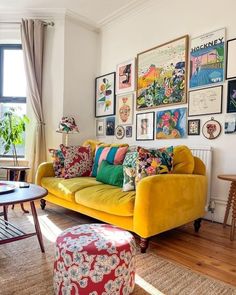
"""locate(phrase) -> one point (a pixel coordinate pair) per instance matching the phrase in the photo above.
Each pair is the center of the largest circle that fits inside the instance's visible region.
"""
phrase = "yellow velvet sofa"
(160, 202)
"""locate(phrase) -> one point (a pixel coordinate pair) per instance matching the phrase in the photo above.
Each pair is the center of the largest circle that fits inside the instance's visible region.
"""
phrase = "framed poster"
(211, 129)
(205, 101)
(231, 97)
(194, 127)
(110, 126)
(128, 131)
(125, 76)
(171, 124)
(145, 126)
(162, 74)
(207, 59)
(230, 124)
(100, 127)
(105, 95)
(125, 109)
(231, 59)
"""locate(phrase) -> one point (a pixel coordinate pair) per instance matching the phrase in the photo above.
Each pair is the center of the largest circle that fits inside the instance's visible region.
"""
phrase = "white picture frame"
(145, 126)
(125, 76)
(100, 127)
(231, 59)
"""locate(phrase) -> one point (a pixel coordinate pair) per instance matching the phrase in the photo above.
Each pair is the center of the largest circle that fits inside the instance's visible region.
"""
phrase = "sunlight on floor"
(49, 230)
(146, 286)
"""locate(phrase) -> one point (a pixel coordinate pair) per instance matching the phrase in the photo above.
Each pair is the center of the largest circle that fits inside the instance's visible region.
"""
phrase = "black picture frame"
(228, 61)
(152, 117)
(110, 126)
(113, 89)
(198, 127)
(231, 100)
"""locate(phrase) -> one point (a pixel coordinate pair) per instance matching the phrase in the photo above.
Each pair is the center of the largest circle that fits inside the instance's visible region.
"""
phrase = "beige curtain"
(32, 37)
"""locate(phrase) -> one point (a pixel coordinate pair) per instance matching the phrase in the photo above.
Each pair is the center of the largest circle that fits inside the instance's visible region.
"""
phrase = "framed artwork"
(171, 124)
(125, 109)
(161, 75)
(205, 101)
(231, 59)
(194, 127)
(120, 132)
(207, 59)
(100, 127)
(230, 124)
(211, 129)
(231, 97)
(128, 131)
(105, 95)
(145, 126)
(110, 126)
(125, 76)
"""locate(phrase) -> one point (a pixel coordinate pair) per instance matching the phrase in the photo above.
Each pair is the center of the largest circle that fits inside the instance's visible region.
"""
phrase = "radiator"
(205, 154)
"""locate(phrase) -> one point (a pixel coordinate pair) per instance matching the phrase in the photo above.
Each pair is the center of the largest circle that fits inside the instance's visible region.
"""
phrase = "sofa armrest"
(167, 201)
(44, 170)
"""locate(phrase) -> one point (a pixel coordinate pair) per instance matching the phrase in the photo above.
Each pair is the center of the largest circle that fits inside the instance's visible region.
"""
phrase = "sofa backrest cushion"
(183, 160)
(110, 174)
(93, 144)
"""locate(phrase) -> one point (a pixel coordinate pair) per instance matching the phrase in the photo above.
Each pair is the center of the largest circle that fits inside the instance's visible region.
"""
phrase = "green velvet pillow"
(110, 174)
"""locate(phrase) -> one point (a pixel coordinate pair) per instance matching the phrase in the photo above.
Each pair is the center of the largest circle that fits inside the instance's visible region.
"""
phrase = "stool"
(94, 259)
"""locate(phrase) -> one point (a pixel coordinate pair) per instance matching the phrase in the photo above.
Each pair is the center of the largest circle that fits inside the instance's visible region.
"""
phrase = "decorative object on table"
(230, 124)
(58, 162)
(171, 124)
(145, 126)
(12, 129)
(100, 127)
(105, 95)
(6, 187)
(205, 101)
(125, 76)
(120, 132)
(125, 109)
(161, 79)
(231, 97)
(128, 131)
(211, 129)
(194, 127)
(67, 126)
(207, 59)
(230, 203)
(231, 59)
(110, 126)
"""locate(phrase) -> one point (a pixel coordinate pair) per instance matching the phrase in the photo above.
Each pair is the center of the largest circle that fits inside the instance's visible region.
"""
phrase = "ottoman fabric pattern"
(94, 259)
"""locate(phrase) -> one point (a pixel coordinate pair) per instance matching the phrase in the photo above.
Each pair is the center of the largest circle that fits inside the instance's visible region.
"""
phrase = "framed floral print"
(194, 127)
(125, 109)
(105, 95)
(125, 76)
(145, 126)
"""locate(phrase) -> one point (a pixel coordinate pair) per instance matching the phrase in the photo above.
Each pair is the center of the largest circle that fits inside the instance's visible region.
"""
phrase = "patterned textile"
(94, 259)
(152, 162)
(58, 162)
(129, 170)
(78, 160)
(112, 154)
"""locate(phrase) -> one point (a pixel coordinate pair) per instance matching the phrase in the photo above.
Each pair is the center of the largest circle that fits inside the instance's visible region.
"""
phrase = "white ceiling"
(95, 10)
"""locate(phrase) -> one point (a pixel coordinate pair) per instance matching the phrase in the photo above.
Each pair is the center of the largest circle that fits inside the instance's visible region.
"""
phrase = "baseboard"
(219, 213)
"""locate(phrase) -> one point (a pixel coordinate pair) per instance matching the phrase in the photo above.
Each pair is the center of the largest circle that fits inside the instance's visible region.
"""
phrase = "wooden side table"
(230, 203)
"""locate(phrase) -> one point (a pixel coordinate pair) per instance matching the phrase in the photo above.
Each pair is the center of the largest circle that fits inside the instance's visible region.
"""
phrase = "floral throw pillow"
(58, 162)
(152, 162)
(78, 160)
(129, 171)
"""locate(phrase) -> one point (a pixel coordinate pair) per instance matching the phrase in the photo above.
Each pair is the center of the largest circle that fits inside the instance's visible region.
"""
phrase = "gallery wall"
(159, 22)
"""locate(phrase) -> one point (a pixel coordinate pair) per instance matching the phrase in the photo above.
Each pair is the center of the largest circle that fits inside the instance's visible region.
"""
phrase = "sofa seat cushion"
(107, 198)
(66, 188)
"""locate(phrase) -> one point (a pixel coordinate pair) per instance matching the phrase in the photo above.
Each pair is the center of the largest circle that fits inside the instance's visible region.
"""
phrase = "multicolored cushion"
(129, 170)
(152, 162)
(112, 154)
(58, 162)
(78, 160)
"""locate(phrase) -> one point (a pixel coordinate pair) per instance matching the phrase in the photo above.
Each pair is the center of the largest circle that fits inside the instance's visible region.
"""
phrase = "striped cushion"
(112, 154)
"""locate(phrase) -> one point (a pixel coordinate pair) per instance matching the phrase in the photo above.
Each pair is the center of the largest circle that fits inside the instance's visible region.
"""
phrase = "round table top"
(15, 168)
(21, 195)
(229, 177)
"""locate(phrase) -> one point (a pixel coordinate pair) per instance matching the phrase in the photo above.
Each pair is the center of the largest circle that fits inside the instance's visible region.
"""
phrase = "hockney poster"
(207, 59)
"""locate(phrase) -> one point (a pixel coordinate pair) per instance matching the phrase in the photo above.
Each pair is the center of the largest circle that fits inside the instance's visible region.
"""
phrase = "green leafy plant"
(12, 128)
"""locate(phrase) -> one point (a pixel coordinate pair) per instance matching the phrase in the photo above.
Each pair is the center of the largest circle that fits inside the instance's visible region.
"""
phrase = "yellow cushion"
(66, 188)
(93, 144)
(183, 160)
(107, 198)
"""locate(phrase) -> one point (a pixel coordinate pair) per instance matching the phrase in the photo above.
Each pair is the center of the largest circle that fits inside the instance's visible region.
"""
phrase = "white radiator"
(205, 154)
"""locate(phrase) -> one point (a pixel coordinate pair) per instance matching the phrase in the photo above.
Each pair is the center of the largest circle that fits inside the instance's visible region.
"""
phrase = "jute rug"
(24, 270)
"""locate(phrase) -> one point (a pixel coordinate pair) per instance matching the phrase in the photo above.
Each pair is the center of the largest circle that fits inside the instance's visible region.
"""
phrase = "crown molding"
(82, 20)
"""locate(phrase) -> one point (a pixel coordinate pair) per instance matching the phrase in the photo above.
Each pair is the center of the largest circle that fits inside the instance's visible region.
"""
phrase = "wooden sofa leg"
(42, 204)
(143, 244)
(197, 224)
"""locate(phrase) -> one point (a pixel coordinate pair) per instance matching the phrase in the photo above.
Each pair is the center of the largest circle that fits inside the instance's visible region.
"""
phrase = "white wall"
(156, 23)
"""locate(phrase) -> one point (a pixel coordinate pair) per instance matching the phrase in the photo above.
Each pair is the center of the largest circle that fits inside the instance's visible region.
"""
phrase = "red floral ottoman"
(94, 259)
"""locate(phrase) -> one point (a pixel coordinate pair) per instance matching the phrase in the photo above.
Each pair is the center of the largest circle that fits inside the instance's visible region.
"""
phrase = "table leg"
(5, 212)
(233, 214)
(23, 208)
(37, 226)
(231, 193)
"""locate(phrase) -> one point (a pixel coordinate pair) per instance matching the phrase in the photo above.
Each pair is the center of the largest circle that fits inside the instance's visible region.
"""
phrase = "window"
(12, 85)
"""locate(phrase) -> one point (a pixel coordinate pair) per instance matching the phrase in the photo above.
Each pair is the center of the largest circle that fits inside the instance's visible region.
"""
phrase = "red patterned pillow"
(78, 160)
(58, 162)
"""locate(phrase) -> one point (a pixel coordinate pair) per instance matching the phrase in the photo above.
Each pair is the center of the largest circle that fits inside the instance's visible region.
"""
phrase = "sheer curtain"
(32, 37)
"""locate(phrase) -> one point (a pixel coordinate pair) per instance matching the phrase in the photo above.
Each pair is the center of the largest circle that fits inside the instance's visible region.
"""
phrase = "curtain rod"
(50, 23)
